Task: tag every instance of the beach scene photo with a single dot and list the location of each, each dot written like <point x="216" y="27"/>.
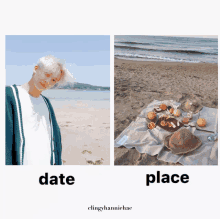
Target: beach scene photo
<point x="165" y="100"/>
<point x="81" y="105"/>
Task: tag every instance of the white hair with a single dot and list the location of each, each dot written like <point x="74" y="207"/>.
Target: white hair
<point x="52" y="64"/>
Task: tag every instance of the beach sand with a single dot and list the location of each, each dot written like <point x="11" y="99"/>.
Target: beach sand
<point x="85" y="134"/>
<point x="138" y="83"/>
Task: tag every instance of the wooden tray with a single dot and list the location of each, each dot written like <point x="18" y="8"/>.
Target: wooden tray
<point x="169" y="129"/>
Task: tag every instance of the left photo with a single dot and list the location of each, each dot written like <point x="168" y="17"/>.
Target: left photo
<point x="57" y="100"/>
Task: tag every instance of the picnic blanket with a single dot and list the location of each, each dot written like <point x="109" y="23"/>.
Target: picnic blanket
<point x="151" y="141"/>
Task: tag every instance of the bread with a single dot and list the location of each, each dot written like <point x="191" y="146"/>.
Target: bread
<point x="151" y="125"/>
<point x="177" y="112"/>
<point x="151" y="115"/>
<point x="163" y="123"/>
<point x="163" y="106"/>
<point x="171" y="110"/>
<point x="182" y="142"/>
<point x="201" y="122"/>
<point x="185" y="120"/>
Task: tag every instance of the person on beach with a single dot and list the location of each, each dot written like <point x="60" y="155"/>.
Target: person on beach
<point x="32" y="132"/>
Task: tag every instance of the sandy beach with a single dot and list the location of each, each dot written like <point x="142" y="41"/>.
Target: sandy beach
<point x="85" y="134"/>
<point x="138" y="83"/>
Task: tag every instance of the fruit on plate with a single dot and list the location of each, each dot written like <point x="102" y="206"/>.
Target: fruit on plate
<point x="163" y="123"/>
<point x="201" y="122"/>
<point x="163" y="106"/>
<point x="169" y="125"/>
<point x="151" y="125"/>
<point x="151" y="115"/>
<point x="177" y="112"/>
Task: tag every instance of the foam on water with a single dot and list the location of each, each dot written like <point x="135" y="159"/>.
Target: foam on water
<point x="164" y="48"/>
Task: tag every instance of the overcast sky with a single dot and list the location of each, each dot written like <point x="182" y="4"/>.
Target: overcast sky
<point x="87" y="57"/>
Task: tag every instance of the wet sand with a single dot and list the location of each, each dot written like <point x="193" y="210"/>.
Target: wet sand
<point x="138" y="83"/>
<point x="85" y="134"/>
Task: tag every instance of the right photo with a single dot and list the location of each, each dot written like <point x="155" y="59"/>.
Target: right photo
<point x="166" y="100"/>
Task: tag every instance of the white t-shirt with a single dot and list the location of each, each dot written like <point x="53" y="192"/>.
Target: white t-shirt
<point x="37" y="131"/>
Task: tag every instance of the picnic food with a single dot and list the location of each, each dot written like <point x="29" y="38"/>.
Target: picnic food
<point x="169" y="123"/>
<point x="182" y="142"/>
<point x="190" y="115"/>
<point x="188" y="105"/>
<point x="151" y="125"/>
<point x="201" y="122"/>
<point x="163" y="123"/>
<point x="177" y="112"/>
<point x="171" y="110"/>
<point x="151" y="115"/>
<point x="173" y="125"/>
<point x="185" y="120"/>
<point x="163" y="106"/>
<point x="157" y="109"/>
<point x="192" y="104"/>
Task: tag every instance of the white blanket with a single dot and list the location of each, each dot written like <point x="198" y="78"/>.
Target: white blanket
<point x="151" y="141"/>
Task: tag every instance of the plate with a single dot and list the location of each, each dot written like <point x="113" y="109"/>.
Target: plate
<point x="167" y="128"/>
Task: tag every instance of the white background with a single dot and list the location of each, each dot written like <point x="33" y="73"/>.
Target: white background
<point x="23" y="196"/>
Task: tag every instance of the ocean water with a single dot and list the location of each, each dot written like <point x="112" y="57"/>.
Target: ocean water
<point x="61" y="98"/>
<point x="165" y="48"/>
